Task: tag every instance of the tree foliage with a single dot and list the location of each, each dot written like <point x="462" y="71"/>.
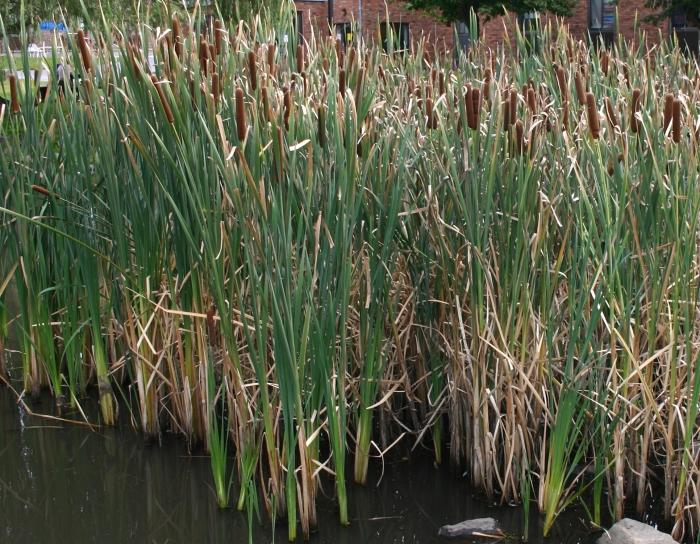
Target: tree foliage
<point x="663" y="9"/>
<point x="459" y="10"/>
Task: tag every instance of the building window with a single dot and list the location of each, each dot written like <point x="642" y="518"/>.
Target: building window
<point x="300" y="25"/>
<point x="345" y="34"/>
<point x="398" y="32"/>
<point x="679" y="19"/>
<point x="602" y="14"/>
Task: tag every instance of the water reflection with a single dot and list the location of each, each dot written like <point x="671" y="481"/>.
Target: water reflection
<point x="68" y="484"/>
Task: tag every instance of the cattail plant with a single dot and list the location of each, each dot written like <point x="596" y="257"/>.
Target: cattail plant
<point x="332" y="271"/>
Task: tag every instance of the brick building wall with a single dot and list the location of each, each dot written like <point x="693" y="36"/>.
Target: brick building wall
<point x="368" y="13"/>
<point x="628" y="11"/>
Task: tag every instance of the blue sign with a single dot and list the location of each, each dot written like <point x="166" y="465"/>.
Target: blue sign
<point x="52" y="25"/>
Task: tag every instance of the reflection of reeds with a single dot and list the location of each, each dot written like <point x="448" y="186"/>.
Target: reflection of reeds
<point x="346" y="252"/>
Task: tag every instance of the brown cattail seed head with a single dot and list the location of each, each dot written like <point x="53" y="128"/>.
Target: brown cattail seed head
<point x="322" y="126"/>
<point x="84" y="51"/>
<point x="431" y="122"/>
<point x="253" y="70"/>
<point x="241" y="128"/>
<point x="634" y="122"/>
<point x="476" y="108"/>
<point x="14" y="95"/>
<point x="513" y="106"/>
<point x="163" y="100"/>
<point x="593" y="120"/>
<point x="561" y="80"/>
<point x="565" y="115"/>
<point x="218" y="37"/>
<point x="469" y="105"/>
<point x="519" y="136"/>
<point x="610" y="113"/>
<point x="177" y="36"/>
<point x="531" y="100"/>
<point x="676" y="121"/>
<point x="668" y="111"/>
<point x="41" y="190"/>
<point x="215" y="87"/>
<point x="287" y="107"/>
<point x="271" y="58"/>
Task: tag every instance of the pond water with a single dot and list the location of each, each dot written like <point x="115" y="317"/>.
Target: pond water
<point x="66" y="483"/>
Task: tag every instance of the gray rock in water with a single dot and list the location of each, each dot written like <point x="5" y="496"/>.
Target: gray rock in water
<point x="471" y="528"/>
<point x="629" y="531"/>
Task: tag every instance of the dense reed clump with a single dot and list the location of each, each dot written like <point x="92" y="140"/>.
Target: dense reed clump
<point x="255" y="244"/>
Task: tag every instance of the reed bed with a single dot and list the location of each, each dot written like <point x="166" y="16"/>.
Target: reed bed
<point x="300" y="256"/>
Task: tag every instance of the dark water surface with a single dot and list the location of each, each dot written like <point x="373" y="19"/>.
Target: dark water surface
<point x="63" y="483"/>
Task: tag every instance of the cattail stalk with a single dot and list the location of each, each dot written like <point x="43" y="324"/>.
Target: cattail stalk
<point x="177" y="37"/>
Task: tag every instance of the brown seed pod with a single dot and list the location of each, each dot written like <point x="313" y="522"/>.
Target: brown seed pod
<point x="532" y="101"/>
<point x="476" y="109"/>
<point x="469" y="106"/>
<point x="203" y="55"/>
<point x="605" y="62"/>
<point x="676" y="121"/>
<point x="266" y="105"/>
<point x="429" y="113"/>
<point x="486" y="89"/>
<point x="668" y="111"/>
<point x="271" y="58"/>
<point x="287" y="107"/>
<point x="41" y="190"/>
<point x="441" y="83"/>
<point x="215" y="87"/>
<point x="610" y="114"/>
<point x="634" y="122"/>
<point x="360" y="83"/>
<point x="593" y="120"/>
<point x="241" y="128"/>
<point x="322" y="126"/>
<point x="561" y="80"/>
<point x="163" y="100"/>
<point x="84" y="51"/>
<point x="253" y="70"/>
<point x="565" y="116"/>
<point x="14" y="95"/>
<point x="218" y="37"/>
<point x="177" y="36"/>
<point x="513" y="106"/>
